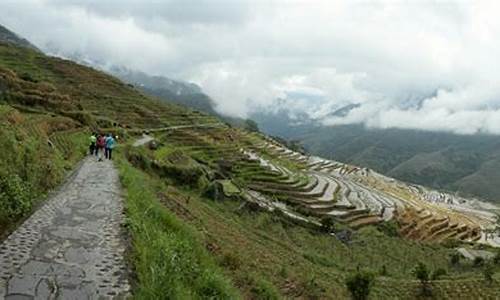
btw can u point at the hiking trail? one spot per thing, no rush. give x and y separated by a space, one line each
73 246
143 140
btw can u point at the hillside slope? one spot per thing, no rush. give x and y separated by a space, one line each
215 211
435 159
7 36
48 106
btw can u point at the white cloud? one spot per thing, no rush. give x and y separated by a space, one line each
320 54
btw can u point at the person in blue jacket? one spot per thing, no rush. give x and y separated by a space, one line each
110 144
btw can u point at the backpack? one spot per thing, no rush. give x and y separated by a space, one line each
101 141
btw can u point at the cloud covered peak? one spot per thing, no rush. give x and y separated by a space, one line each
425 65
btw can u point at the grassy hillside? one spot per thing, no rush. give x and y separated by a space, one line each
8 36
48 107
30 165
268 256
195 230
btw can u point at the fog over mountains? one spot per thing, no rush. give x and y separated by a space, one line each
322 55
391 94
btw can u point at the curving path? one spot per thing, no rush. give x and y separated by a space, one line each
143 140
73 246
175 127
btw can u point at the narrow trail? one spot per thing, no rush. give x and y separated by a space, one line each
143 140
205 125
73 246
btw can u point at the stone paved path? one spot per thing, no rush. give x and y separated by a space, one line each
73 246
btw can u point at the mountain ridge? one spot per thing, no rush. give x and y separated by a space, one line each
224 212
391 152
10 37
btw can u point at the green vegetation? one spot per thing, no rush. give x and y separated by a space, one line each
488 273
14 197
496 259
478 261
469 164
48 106
185 244
422 274
170 262
33 160
359 285
268 258
438 273
266 255
455 258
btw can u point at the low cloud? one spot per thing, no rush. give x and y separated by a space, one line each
422 65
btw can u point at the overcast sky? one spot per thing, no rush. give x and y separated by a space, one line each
411 64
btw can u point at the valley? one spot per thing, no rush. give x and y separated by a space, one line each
217 211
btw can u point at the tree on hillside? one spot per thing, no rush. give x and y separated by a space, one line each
359 285
421 272
478 261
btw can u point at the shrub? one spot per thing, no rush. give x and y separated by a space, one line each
28 77
359 285
421 272
390 228
455 258
488 273
478 261
188 175
496 259
328 224
438 273
15 200
383 271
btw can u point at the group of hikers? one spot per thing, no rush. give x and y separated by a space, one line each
102 144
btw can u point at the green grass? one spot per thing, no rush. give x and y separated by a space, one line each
186 246
30 166
269 258
170 262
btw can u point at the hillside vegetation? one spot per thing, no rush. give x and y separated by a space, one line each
215 211
48 107
467 164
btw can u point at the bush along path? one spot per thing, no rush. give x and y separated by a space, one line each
73 246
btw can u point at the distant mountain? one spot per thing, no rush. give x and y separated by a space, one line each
157 82
176 91
10 37
166 89
468 164
344 111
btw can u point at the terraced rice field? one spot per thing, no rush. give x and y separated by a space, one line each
312 190
358 196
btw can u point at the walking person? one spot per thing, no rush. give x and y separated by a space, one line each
101 144
110 144
106 137
92 146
